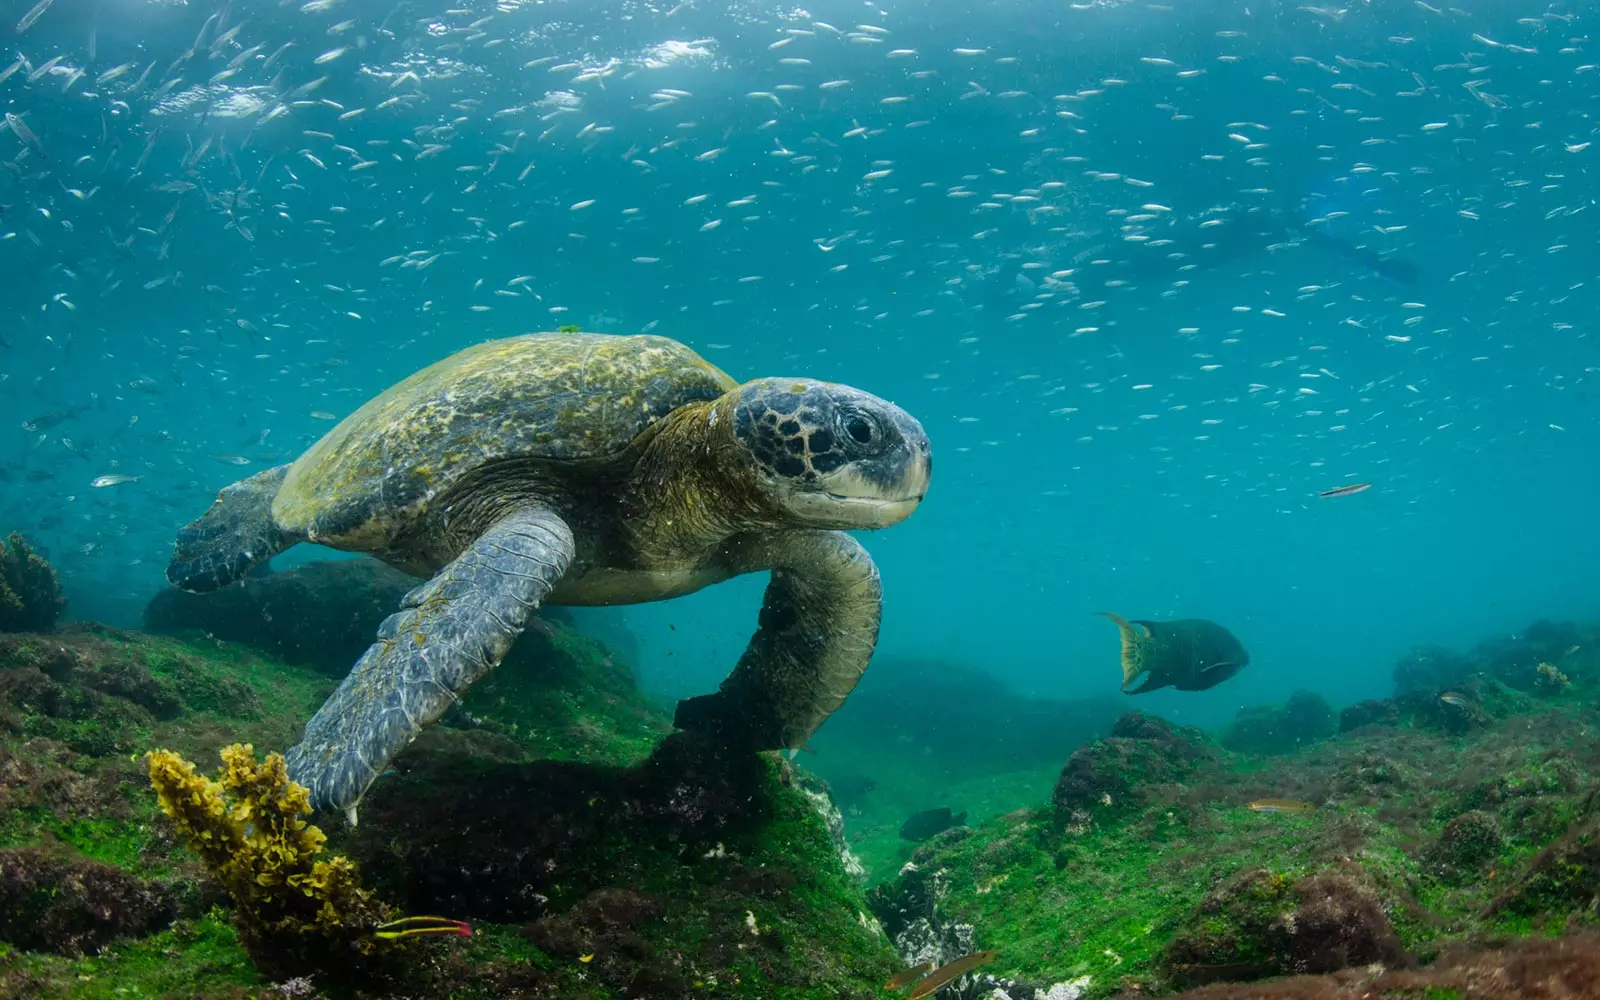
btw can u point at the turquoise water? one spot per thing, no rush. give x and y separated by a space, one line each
1152 278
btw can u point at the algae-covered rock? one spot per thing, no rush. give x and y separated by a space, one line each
1111 776
1561 879
30 592
1368 776
1305 719
1466 844
51 901
1372 712
909 908
323 614
1260 923
1565 968
698 863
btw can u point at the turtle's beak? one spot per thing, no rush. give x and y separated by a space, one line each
884 489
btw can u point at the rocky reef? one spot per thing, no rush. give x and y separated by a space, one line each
1439 844
30 593
1406 857
919 736
591 853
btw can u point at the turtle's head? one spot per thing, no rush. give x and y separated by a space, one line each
830 456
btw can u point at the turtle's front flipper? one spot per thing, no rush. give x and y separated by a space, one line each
452 630
819 626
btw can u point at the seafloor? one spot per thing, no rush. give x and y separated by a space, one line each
1423 848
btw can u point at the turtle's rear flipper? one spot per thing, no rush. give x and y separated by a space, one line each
452 630
235 534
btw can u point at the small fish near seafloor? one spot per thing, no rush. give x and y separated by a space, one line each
1280 806
1190 654
901 980
949 972
1456 699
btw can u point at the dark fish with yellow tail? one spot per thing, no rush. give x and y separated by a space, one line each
948 973
1190 654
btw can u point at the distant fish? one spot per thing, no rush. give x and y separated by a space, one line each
232 459
1190 654
903 979
323 415
25 133
1280 806
949 972
1344 491
116 479
45 421
1456 699
929 823
33 15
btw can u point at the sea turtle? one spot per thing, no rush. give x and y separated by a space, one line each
581 469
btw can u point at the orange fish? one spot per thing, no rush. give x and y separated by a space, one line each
949 972
1280 806
906 978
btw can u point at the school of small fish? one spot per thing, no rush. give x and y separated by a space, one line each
225 225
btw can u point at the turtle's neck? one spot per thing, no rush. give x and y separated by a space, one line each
693 488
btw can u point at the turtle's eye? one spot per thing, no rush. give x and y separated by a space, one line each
861 428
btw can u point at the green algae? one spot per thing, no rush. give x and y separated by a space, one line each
768 903
194 958
1107 898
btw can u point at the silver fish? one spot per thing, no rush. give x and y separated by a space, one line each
33 15
23 132
116 479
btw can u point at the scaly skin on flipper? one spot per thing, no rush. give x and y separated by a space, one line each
818 628
236 533
455 628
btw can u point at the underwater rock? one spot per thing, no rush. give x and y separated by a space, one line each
604 925
1566 968
1527 660
75 906
30 592
1563 878
1372 712
1371 776
1259 923
726 845
907 906
323 614
1108 777
815 791
1305 719
99 691
455 833
929 822
1466 844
